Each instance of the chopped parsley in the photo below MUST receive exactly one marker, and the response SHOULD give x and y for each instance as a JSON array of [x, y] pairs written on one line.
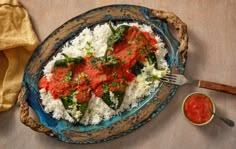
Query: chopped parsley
[[123, 61], [77, 79], [131, 42], [84, 74], [68, 76], [142, 52], [122, 86], [114, 75], [74, 93], [114, 84], [105, 87], [89, 48], [137, 39], [130, 52], [85, 77]]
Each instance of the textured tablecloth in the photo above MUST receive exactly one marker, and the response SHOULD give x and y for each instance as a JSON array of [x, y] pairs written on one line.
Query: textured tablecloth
[[211, 56]]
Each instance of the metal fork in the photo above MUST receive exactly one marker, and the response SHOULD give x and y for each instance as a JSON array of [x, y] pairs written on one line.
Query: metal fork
[[179, 79]]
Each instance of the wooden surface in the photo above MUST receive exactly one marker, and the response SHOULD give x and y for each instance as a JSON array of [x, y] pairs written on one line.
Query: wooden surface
[[211, 56]]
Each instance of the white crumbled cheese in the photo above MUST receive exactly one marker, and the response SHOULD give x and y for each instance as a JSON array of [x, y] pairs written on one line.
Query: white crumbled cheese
[[97, 110]]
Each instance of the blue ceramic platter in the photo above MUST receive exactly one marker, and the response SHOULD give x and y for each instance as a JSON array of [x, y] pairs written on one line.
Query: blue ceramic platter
[[119, 125]]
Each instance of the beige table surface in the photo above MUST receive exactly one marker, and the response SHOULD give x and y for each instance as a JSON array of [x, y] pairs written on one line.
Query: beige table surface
[[211, 56]]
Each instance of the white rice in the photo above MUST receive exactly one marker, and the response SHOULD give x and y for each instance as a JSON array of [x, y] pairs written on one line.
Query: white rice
[[97, 109]]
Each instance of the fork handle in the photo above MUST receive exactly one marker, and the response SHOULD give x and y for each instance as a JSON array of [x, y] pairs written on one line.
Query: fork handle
[[217, 86]]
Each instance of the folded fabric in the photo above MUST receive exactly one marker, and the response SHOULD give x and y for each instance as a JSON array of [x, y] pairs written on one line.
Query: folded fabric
[[17, 41]]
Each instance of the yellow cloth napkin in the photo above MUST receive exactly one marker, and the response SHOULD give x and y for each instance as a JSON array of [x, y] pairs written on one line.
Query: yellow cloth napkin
[[17, 41]]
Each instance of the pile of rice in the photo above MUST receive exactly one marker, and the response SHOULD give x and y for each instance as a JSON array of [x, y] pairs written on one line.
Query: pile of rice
[[97, 109]]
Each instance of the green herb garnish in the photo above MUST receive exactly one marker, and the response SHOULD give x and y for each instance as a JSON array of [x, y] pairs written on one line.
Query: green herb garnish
[[77, 79], [105, 87], [131, 42], [110, 61], [130, 52], [114, 84], [137, 39], [88, 49], [114, 75], [68, 76], [123, 61]]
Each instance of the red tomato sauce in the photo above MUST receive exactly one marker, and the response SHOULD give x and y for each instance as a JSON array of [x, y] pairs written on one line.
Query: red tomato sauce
[[87, 77], [196, 108]]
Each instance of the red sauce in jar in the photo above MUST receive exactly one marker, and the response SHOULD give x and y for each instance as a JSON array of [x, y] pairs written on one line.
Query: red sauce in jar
[[196, 108]]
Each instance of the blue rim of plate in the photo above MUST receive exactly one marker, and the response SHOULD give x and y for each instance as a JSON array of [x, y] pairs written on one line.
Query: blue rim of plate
[[58, 125]]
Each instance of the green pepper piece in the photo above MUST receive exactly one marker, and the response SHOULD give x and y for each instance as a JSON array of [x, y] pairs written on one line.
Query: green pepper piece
[[116, 36], [66, 101], [151, 58], [64, 62], [76, 60], [120, 96], [82, 107], [61, 63], [117, 94], [137, 68], [69, 104], [107, 99]]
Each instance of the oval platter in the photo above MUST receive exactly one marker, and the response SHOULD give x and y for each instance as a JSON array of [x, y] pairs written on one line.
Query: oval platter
[[119, 125]]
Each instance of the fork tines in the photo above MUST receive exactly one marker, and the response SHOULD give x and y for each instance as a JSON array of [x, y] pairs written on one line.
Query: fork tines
[[169, 77]]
